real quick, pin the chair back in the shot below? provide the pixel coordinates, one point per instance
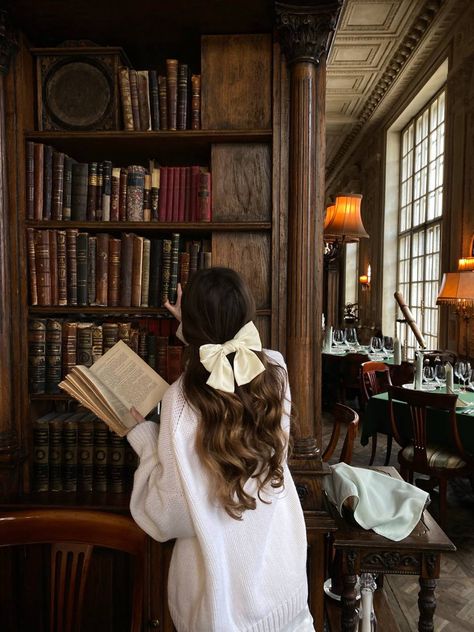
(346, 417)
(73, 534)
(437, 355)
(419, 402)
(375, 378)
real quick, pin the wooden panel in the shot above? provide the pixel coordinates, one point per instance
(236, 75)
(249, 255)
(241, 189)
(263, 325)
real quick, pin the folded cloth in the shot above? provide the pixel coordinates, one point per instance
(389, 506)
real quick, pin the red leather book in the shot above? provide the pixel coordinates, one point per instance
(195, 171)
(182, 194)
(176, 192)
(171, 194)
(62, 267)
(187, 194)
(163, 194)
(195, 101)
(123, 195)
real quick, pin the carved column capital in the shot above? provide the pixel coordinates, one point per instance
(8, 42)
(306, 30)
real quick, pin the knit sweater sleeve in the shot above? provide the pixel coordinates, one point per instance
(158, 504)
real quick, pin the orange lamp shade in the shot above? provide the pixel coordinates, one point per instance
(467, 263)
(364, 279)
(456, 287)
(330, 212)
(345, 221)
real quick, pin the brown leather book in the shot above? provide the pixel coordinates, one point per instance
(30, 244)
(54, 328)
(85, 456)
(162, 356)
(165, 270)
(114, 272)
(114, 195)
(145, 272)
(69, 350)
(43, 267)
(137, 270)
(100, 451)
(175, 363)
(92, 192)
(134, 96)
(106, 190)
(126, 267)
(58, 186)
(47, 181)
(70, 452)
(62, 267)
(116, 463)
(109, 335)
(102, 269)
(195, 101)
(156, 252)
(123, 195)
(97, 342)
(84, 344)
(172, 92)
(155, 194)
(147, 198)
(154, 100)
(174, 270)
(163, 101)
(163, 199)
(37, 356)
(41, 452)
(204, 197)
(151, 350)
(124, 332)
(194, 257)
(53, 266)
(67, 188)
(30, 180)
(142, 345)
(38, 180)
(144, 100)
(91, 268)
(71, 265)
(184, 258)
(99, 211)
(135, 187)
(79, 191)
(82, 268)
(55, 452)
(182, 115)
(126, 98)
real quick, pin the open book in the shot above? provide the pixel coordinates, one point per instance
(118, 380)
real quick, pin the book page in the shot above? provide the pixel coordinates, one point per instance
(130, 378)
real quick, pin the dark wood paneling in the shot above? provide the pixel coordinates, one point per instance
(241, 183)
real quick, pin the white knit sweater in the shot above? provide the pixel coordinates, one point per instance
(225, 575)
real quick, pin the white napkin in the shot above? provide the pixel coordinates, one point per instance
(327, 340)
(449, 377)
(397, 352)
(389, 506)
(419, 370)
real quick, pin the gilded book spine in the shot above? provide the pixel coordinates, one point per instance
(195, 101)
(37, 356)
(116, 463)
(182, 116)
(47, 181)
(53, 355)
(172, 91)
(62, 267)
(123, 195)
(115, 195)
(91, 268)
(58, 186)
(126, 98)
(106, 190)
(165, 270)
(135, 187)
(114, 272)
(100, 456)
(79, 189)
(82, 265)
(30, 240)
(102, 269)
(67, 188)
(137, 270)
(53, 265)
(69, 453)
(55, 453)
(84, 344)
(71, 264)
(134, 95)
(147, 198)
(110, 335)
(99, 211)
(85, 456)
(92, 192)
(97, 342)
(69, 347)
(126, 267)
(163, 100)
(43, 267)
(41, 453)
(154, 100)
(172, 293)
(145, 273)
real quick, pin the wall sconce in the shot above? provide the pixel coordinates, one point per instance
(365, 279)
(343, 224)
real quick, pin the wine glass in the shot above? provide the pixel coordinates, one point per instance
(351, 338)
(376, 346)
(458, 372)
(428, 377)
(440, 374)
(466, 374)
(388, 345)
(339, 338)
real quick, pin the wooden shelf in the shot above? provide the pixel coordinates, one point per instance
(182, 227)
(107, 501)
(166, 146)
(113, 311)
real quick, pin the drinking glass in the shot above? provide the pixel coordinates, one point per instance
(466, 374)
(458, 372)
(428, 377)
(376, 346)
(339, 337)
(388, 345)
(440, 374)
(351, 338)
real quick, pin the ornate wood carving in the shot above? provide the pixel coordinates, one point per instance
(391, 561)
(426, 604)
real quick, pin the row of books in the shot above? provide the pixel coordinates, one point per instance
(68, 267)
(151, 101)
(76, 452)
(56, 345)
(60, 188)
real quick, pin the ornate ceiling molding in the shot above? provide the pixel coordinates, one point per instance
(8, 43)
(399, 59)
(306, 30)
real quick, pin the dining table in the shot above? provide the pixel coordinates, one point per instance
(376, 419)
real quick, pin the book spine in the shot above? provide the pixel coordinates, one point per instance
(145, 272)
(182, 116)
(163, 101)
(37, 356)
(43, 267)
(84, 344)
(85, 456)
(163, 201)
(124, 332)
(53, 355)
(41, 455)
(116, 466)
(106, 190)
(69, 456)
(71, 265)
(135, 188)
(30, 180)
(47, 181)
(142, 345)
(62, 267)
(187, 194)
(126, 268)
(161, 356)
(147, 198)
(102, 269)
(100, 456)
(151, 350)
(184, 258)
(204, 197)
(175, 361)
(135, 99)
(194, 257)
(195, 101)
(126, 99)
(67, 188)
(172, 91)
(155, 272)
(171, 194)
(97, 342)
(115, 195)
(82, 267)
(109, 335)
(172, 293)
(195, 173)
(114, 272)
(137, 270)
(53, 265)
(30, 242)
(69, 347)
(181, 194)
(155, 194)
(92, 193)
(165, 270)
(91, 268)
(79, 191)
(58, 186)
(55, 455)
(98, 192)
(154, 100)
(123, 195)
(38, 180)
(143, 100)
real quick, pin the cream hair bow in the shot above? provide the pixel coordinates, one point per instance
(246, 363)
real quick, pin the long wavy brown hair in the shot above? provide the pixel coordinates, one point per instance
(239, 434)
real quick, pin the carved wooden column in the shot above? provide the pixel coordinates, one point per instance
(305, 31)
(9, 450)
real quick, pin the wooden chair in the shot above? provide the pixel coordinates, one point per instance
(73, 534)
(350, 376)
(375, 378)
(417, 453)
(347, 417)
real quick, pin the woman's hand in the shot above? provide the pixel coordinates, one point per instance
(176, 308)
(136, 415)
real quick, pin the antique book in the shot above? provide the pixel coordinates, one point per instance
(58, 186)
(79, 187)
(98, 192)
(144, 100)
(53, 354)
(126, 266)
(116, 463)
(156, 249)
(165, 270)
(91, 269)
(102, 269)
(114, 195)
(71, 265)
(97, 342)
(119, 380)
(56, 426)
(163, 102)
(84, 344)
(106, 190)
(47, 181)
(184, 259)
(41, 452)
(142, 345)
(110, 337)
(82, 267)
(85, 453)
(155, 193)
(100, 456)
(37, 356)
(30, 180)
(30, 242)
(181, 193)
(174, 268)
(204, 197)
(53, 265)
(135, 186)
(114, 272)
(147, 198)
(145, 273)
(38, 180)
(174, 217)
(194, 257)
(62, 266)
(123, 195)
(195, 101)
(126, 98)
(182, 114)
(172, 91)
(137, 270)
(163, 200)
(67, 188)
(69, 455)
(195, 173)
(69, 350)
(124, 332)
(154, 100)
(171, 194)
(187, 194)
(43, 267)
(92, 192)
(133, 77)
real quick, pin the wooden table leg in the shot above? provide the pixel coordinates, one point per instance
(426, 604)
(348, 604)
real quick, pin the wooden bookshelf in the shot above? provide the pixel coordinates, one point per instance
(156, 227)
(136, 312)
